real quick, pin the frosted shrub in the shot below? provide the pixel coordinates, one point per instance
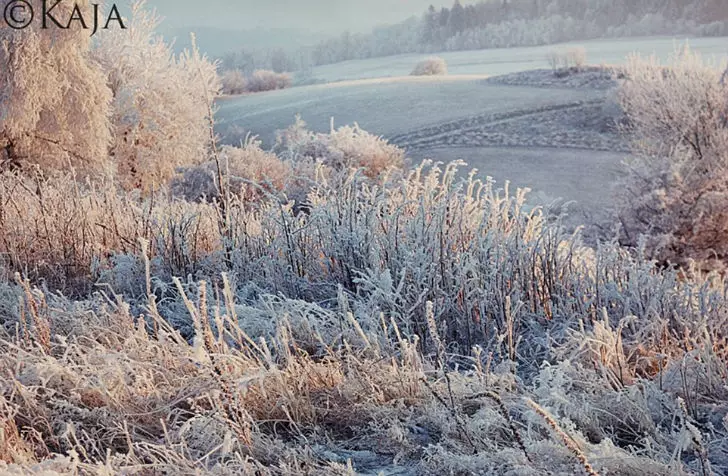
(234, 82)
(676, 192)
(342, 149)
(351, 146)
(433, 66)
(248, 171)
(54, 102)
(298, 141)
(265, 80)
(568, 61)
(162, 102)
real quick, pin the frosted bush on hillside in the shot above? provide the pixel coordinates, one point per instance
(162, 102)
(300, 157)
(434, 66)
(248, 171)
(233, 82)
(570, 60)
(54, 102)
(341, 149)
(676, 192)
(265, 80)
(351, 146)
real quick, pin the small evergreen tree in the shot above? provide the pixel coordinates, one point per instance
(430, 27)
(456, 21)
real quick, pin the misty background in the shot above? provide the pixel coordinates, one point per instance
(223, 26)
(296, 36)
(319, 16)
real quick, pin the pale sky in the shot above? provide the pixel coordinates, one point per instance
(331, 16)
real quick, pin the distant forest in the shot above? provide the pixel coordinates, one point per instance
(498, 24)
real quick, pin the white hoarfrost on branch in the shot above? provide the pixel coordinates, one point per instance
(341, 149)
(677, 193)
(54, 102)
(162, 102)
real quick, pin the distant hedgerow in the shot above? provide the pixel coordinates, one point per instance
(234, 82)
(265, 80)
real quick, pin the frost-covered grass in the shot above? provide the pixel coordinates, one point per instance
(415, 321)
(320, 308)
(588, 77)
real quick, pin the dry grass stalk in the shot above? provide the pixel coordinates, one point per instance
(568, 441)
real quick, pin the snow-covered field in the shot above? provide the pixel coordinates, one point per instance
(555, 138)
(510, 60)
(383, 107)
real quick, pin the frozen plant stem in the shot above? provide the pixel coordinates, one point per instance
(563, 436)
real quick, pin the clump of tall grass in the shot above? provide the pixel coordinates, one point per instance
(91, 386)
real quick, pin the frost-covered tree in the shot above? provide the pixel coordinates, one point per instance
(162, 103)
(501, 23)
(677, 187)
(429, 26)
(457, 19)
(54, 102)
